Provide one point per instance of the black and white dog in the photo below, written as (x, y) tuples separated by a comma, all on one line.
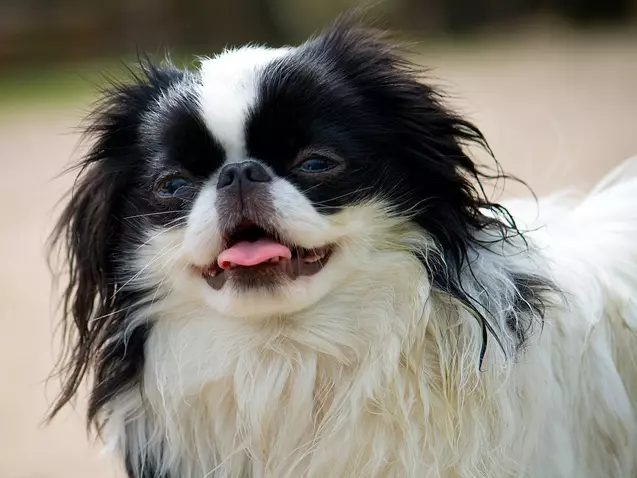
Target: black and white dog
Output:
[(283, 265)]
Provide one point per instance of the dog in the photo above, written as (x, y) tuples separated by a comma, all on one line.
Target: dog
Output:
[(283, 263)]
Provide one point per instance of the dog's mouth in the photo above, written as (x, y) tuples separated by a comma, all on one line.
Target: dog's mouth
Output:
[(254, 257)]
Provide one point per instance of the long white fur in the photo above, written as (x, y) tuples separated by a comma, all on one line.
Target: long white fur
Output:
[(380, 377)]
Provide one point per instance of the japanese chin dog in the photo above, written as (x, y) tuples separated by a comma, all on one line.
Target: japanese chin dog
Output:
[(283, 264)]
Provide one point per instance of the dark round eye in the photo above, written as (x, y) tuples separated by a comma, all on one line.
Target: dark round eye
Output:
[(316, 164), (172, 186)]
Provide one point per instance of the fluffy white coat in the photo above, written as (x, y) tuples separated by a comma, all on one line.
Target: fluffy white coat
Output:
[(382, 379)]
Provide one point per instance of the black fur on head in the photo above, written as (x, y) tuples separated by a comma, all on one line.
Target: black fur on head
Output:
[(366, 99)]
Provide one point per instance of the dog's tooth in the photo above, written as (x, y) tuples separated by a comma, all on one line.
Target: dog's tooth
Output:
[(232, 265), (275, 260)]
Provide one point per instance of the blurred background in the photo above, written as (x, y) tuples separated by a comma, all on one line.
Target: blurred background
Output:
[(552, 83)]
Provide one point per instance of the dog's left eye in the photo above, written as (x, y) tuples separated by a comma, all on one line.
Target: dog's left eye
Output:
[(316, 164), (173, 186)]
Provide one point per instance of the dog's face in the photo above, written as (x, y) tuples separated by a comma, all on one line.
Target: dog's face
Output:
[(259, 182), (262, 177), (256, 185)]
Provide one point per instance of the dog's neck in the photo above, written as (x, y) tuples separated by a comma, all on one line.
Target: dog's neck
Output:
[(327, 391)]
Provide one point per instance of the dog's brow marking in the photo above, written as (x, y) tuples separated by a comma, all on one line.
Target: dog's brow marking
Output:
[(229, 89)]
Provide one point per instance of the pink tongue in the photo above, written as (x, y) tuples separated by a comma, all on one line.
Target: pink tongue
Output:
[(247, 253)]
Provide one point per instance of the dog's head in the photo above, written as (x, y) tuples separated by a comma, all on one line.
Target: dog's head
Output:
[(259, 183)]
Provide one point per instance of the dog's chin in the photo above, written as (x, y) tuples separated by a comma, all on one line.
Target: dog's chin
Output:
[(259, 270)]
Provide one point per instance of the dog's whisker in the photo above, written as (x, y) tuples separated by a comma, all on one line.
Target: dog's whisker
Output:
[(154, 214), (155, 236), (155, 258)]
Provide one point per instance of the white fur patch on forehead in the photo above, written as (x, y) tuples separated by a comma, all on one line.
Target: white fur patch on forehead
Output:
[(229, 88)]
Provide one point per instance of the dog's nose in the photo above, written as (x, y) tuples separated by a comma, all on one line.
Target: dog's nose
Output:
[(242, 175)]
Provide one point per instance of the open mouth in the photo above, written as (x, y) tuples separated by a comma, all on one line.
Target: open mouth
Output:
[(253, 256)]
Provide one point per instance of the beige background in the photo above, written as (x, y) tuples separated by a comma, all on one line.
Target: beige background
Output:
[(557, 111)]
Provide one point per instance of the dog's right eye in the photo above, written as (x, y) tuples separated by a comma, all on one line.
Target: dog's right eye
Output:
[(316, 165), (173, 187)]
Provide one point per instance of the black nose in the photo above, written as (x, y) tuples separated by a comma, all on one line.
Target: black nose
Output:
[(242, 174)]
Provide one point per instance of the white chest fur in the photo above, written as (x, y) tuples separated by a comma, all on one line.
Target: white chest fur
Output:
[(377, 382)]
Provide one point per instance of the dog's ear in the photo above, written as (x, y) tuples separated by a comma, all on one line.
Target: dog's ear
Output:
[(83, 237), (430, 150), (88, 239)]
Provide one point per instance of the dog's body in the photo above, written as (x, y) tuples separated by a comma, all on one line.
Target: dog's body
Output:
[(437, 340)]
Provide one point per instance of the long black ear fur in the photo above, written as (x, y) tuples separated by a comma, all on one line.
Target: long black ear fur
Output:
[(94, 312)]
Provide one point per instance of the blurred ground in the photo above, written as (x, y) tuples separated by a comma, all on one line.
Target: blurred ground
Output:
[(558, 111)]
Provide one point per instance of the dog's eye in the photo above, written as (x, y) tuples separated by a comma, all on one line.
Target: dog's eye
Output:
[(316, 164), (173, 186)]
